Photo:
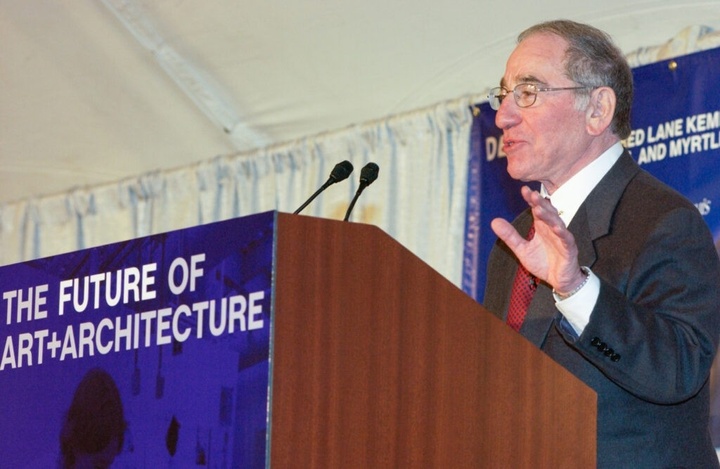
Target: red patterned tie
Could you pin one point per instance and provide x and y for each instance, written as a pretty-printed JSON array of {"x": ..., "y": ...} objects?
[{"x": 522, "y": 293}]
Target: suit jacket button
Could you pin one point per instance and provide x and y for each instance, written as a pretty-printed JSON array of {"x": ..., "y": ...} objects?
[
  {"x": 603, "y": 347},
  {"x": 615, "y": 357},
  {"x": 609, "y": 352},
  {"x": 595, "y": 342}
]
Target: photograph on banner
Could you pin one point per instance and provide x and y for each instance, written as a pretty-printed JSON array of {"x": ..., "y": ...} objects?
[{"x": 147, "y": 353}]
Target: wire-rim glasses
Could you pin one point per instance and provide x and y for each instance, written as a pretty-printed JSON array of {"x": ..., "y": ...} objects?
[{"x": 525, "y": 94}]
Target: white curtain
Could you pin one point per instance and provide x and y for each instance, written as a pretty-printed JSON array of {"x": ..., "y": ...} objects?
[
  {"x": 418, "y": 198},
  {"x": 689, "y": 40}
]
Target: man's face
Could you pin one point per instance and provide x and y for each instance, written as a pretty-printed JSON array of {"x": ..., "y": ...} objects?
[{"x": 547, "y": 141}]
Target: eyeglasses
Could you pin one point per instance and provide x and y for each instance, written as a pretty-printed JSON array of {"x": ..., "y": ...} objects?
[{"x": 525, "y": 94}]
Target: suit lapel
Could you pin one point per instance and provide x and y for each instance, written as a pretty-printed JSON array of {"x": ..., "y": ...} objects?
[
  {"x": 591, "y": 222},
  {"x": 594, "y": 218}
]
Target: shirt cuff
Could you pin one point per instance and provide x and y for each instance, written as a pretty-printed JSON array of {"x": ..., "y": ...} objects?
[{"x": 578, "y": 307}]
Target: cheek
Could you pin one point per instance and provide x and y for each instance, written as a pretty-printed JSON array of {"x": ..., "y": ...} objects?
[{"x": 557, "y": 133}]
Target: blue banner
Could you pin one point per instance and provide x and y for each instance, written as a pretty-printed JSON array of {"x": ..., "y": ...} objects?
[
  {"x": 491, "y": 193},
  {"x": 676, "y": 127},
  {"x": 148, "y": 353}
]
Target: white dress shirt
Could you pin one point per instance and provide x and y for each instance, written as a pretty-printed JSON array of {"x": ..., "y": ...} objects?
[{"x": 567, "y": 200}]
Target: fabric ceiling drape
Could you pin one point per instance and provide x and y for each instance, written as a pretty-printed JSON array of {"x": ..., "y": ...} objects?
[{"x": 418, "y": 198}]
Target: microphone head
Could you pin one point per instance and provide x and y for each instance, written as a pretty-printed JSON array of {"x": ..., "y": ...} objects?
[
  {"x": 369, "y": 173},
  {"x": 341, "y": 171}
]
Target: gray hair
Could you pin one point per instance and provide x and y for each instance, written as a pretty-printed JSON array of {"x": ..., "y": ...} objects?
[{"x": 592, "y": 59}]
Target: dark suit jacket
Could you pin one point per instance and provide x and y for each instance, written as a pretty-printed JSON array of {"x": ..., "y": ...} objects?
[{"x": 649, "y": 346}]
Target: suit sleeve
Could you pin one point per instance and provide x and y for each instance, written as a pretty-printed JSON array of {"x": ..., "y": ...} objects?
[{"x": 654, "y": 329}]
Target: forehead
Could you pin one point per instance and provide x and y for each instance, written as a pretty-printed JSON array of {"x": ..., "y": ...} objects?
[{"x": 539, "y": 58}]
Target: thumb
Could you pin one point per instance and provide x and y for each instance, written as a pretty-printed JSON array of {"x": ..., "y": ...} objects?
[{"x": 506, "y": 232}]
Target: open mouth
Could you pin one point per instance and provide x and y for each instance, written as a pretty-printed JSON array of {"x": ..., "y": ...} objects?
[{"x": 507, "y": 143}]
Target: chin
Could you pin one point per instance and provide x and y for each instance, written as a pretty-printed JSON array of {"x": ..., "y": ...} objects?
[
  {"x": 516, "y": 173},
  {"x": 520, "y": 168}
]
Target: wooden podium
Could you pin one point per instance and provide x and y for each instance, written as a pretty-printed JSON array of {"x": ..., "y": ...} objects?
[{"x": 377, "y": 361}]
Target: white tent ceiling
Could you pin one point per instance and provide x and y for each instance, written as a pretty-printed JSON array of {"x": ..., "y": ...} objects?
[{"x": 91, "y": 91}]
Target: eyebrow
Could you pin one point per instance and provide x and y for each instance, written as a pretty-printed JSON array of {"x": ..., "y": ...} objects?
[{"x": 525, "y": 79}]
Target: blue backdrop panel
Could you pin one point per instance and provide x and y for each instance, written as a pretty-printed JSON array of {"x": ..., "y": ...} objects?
[
  {"x": 676, "y": 127},
  {"x": 180, "y": 322}
]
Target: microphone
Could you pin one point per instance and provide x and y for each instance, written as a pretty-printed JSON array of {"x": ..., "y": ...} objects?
[
  {"x": 340, "y": 172},
  {"x": 367, "y": 176}
]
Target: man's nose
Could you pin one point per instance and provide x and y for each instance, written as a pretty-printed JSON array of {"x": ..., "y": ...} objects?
[{"x": 508, "y": 113}]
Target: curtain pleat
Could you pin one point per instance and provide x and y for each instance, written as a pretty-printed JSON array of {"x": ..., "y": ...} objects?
[{"x": 418, "y": 198}]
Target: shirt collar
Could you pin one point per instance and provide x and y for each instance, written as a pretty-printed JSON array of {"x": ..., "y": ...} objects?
[{"x": 568, "y": 198}]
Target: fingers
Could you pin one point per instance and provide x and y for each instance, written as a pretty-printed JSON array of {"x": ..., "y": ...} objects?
[
  {"x": 552, "y": 253},
  {"x": 542, "y": 209}
]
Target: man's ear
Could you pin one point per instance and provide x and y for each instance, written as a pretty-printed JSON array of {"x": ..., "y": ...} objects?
[{"x": 600, "y": 110}]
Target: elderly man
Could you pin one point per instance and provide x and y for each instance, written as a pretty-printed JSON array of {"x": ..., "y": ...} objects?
[{"x": 609, "y": 271}]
